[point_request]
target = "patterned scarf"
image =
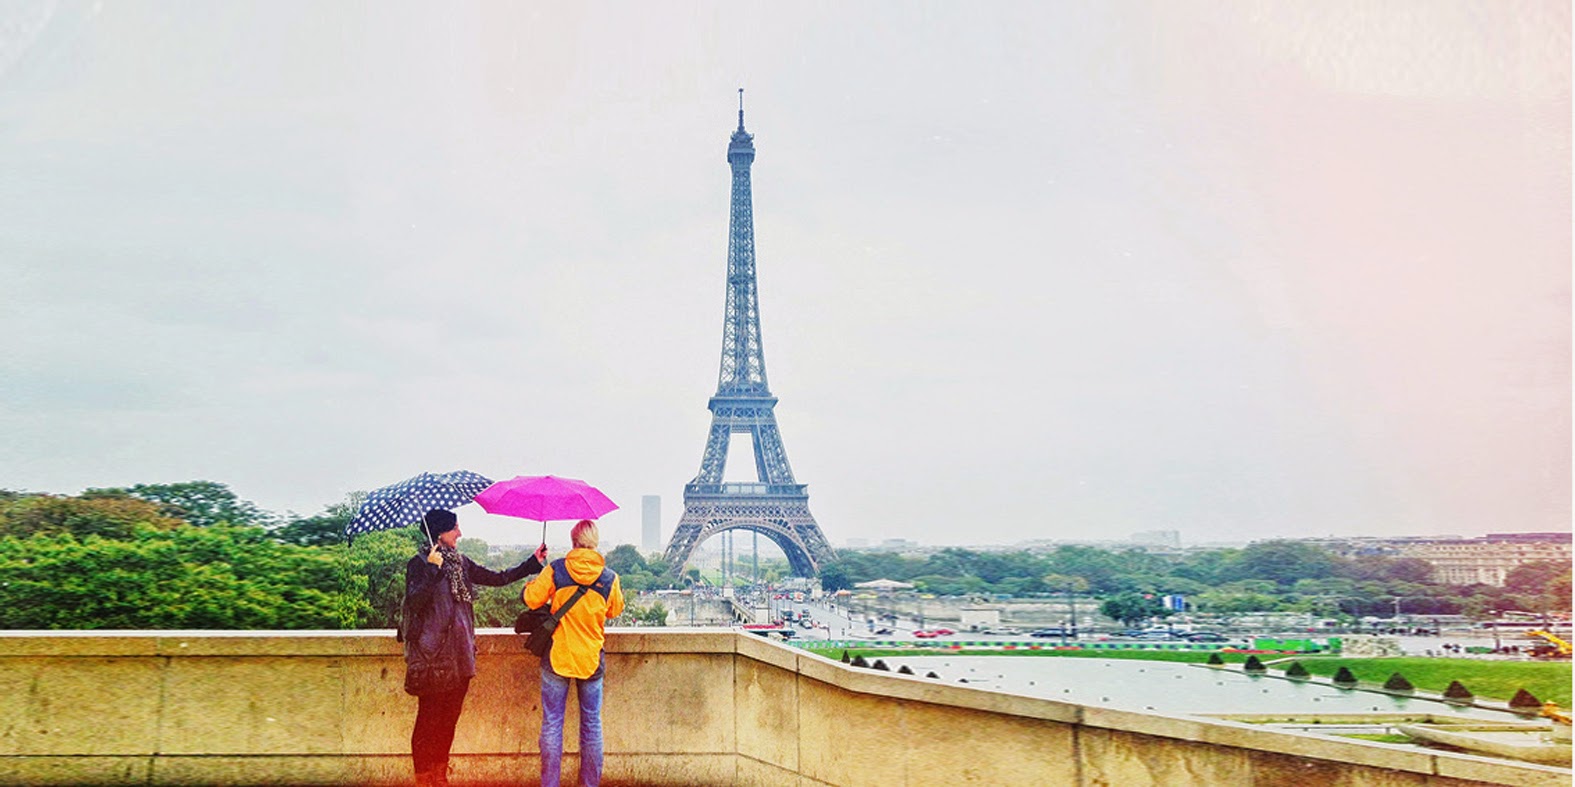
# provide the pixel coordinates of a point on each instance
(454, 568)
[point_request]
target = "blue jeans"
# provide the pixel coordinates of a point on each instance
(554, 697)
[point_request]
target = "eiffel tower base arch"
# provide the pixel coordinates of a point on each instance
(787, 523)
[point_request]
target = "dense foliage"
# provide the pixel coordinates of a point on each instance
(195, 555)
(1268, 576)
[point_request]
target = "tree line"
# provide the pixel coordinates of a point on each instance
(1267, 576)
(195, 556)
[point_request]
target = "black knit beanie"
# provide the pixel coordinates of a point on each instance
(440, 521)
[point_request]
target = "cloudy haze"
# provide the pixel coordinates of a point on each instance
(1027, 270)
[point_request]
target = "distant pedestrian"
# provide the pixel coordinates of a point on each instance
(576, 656)
(439, 631)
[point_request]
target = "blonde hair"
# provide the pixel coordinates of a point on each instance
(585, 535)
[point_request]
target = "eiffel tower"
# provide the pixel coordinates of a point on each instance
(774, 506)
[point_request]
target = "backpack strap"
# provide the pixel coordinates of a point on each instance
(602, 585)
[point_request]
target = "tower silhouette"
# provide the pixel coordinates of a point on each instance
(775, 505)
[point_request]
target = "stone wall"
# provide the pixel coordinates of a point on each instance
(682, 708)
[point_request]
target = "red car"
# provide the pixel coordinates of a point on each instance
(943, 632)
(922, 634)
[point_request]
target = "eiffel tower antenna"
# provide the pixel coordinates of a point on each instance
(774, 506)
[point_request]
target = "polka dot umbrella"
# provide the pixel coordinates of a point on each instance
(406, 502)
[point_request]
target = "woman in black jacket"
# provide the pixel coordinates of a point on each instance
(440, 637)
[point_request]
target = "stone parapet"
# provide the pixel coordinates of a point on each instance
(683, 707)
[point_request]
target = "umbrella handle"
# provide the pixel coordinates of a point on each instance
(543, 531)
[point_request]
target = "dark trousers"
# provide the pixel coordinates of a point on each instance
(433, 736)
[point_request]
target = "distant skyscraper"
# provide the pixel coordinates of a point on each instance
(1167, 538)
(651, 523)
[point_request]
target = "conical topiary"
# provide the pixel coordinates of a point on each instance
(1344, 678)
(1397, 682)
(1457, 692)
(880, 664)
(1525, 700)
(904, 670)
(1297, 672)
(1216, 659)
(845, 658)
(1254, 665)
(931, 675)
(858, 661)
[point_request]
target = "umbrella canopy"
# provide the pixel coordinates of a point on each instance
(545, 497)
(406, 502)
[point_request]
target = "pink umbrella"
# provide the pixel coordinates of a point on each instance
(544, 498)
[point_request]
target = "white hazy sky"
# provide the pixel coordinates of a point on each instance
(1027, 269)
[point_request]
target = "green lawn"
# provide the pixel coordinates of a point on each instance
(1136, 655)
(1499, 680)
(1548, 680)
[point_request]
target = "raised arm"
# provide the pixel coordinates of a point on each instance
(481, 575)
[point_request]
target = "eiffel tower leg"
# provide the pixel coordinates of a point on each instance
(785, 519)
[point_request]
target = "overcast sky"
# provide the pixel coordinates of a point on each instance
(1028, 270)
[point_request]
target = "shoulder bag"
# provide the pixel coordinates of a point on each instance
(539, 625)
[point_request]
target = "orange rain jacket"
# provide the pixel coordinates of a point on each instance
(577, 645)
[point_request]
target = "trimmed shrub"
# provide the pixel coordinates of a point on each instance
(904, 670)
(1215, 659)
(880, 664)
(845, 658)
(1297, 672)
(1397, 682)
(1458, 692)
(1254, 665)
(1343, 677)
(1525, 700)
(932, 674)
(858, 661)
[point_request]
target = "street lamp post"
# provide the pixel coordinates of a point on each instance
(1071, 615)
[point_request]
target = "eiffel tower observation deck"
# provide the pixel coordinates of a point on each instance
(775, 505)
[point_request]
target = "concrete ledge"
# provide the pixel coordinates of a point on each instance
(683, 708)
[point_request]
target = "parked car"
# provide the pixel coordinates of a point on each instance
(1055, 631)
(1207, 636)
(923, 634)
(1163, 635)
(943, 632)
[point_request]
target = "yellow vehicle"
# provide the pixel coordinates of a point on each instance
(1557, 648)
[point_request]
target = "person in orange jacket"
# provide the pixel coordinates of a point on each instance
(576, 654)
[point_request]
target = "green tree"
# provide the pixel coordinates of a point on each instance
(218, 577)
(313, 531)
(1132, 608)
(834, 577)
(626, 559)
(324, 529)
(1536, 578)
(201, 503)
(1283, 562)
(376, 572)
(106, 516)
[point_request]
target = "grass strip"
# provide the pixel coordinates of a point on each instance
(1487, 679)
(1548, 680)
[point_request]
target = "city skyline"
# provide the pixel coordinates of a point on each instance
(1027, 271)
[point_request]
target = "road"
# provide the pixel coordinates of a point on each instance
(831, 620)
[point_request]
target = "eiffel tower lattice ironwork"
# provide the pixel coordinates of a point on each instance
(775, 506)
